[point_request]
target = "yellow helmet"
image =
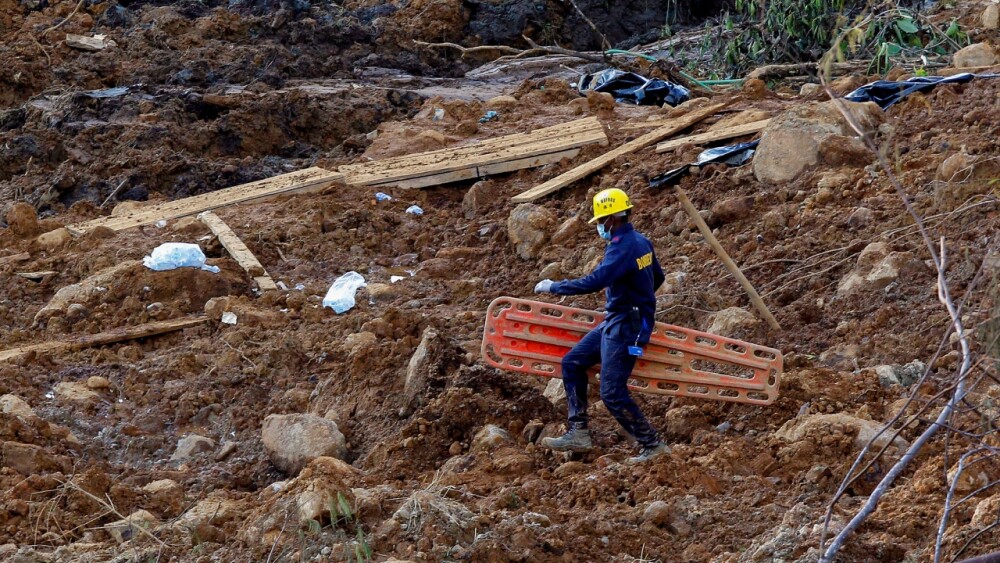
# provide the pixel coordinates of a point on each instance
(609, 202)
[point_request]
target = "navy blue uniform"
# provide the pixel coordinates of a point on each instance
(631, 274)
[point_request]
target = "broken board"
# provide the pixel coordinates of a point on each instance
(238, 250)
(588, 168)
(710, 136)
(532, 337)
(310, 180)
(101, 338)
(491, 156)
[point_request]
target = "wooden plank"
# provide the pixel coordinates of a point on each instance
(303, 181)
(483, 171)
(440, 162)
(238, 250)
(588, 168)
(709, 136)
(102, 338)
(20, 257)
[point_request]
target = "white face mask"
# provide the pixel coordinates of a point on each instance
(601, 232)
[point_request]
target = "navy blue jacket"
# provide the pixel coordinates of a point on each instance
(631, 274)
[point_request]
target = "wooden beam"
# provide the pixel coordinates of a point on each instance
(502, 154)
(102, 338)
(310, 180)
(20, 257)
(238, 250)
(709, 136)
(482, 171)
(588, 168)
(726, 260)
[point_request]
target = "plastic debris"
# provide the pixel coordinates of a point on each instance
(106, 93)
(300, 287)
(885, 93)
(394, 279)
(173, 255)
(229, 318)
(414, 210)
(162, 223)
(438, 114)
(379, 196)
(733, 155)
(489, 116)
(632, 88)
(281, 285)
(340, 296)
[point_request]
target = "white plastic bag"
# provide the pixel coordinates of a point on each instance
(340, 296)
(171, 255)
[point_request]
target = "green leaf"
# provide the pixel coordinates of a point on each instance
(906, 25)
(953, 29)
(891, 49)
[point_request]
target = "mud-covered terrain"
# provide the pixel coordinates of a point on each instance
(432, 455)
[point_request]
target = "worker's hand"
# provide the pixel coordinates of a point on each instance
(544, 286)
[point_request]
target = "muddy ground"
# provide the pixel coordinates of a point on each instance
(221, 94)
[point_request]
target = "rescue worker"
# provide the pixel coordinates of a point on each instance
(631, 275)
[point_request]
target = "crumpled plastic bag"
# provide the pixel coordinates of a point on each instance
(886, 92)
(340, 296)
(732, 155)
(632, 88)
(173, 255)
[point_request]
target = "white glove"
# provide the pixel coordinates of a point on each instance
(544, 286)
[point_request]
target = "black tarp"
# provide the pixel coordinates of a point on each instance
(632, 88)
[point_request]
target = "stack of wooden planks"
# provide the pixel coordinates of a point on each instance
(492, 156)
(310, 180)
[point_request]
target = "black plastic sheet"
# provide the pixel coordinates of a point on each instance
(733, 155)
(632, 88)
(886, 92)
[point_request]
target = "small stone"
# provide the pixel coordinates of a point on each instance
(475, 200)
(991, 17)
(76, 312)
(490, 437)
(12, 404)
(215, 306)
(600, 102)
(956, 167)
(555, 392)
(975, 55)
(568, 230)
(54, 240)
(76, 392)
(192, 445)
(729, 322)
(501, 102)
(97, 382)
(824, 196)
(227, 449)
(22, 220)
(128, 528)
(293, 440)
(163, 486)
(455, 448)
(860, 217)
(809, 88)
(528, 227)
(733, 209)
(570, 468)
(657, 513)
(818, 474)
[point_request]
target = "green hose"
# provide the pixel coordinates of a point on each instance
(706, 84)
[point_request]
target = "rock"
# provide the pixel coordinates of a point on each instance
(432, 139)
(475, 200)
(76, 312)
(860, 217)
(29, 459)
(991, 17)
(163, 486)
(810, 88)
(91, 288)
(905, 375)
(876, 268)
(969, 480)
(98, 383)
(385, 291)
(816, 426)
(681, 422)
(489, 438)
(729, 322)
(216, 510)
(12, 404)
(568, 230)
(673, 283)
(809, 134)
(76, 392)
(360, 341)
(986, 510)
(956, 167)
(551, 271)
(570, 468)
(975, 55)
(215, 306)
(527, 229)
(192, 445)
(600, 102)
(127, 528)
(555, 392)
(818, 473)
(886, 376)
(165, 497)
(126, 208)
(532, 430)
(22, 220)
(293, 440)
(835, 181)
(733, 209)
(315, 501)
(755, 89)
(657, 513)
(824, 196)
(578, 106)
(501, 102)
(419, 370)
(843, 357)
(54, 240)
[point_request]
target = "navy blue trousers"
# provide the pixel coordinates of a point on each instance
(616, 367)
